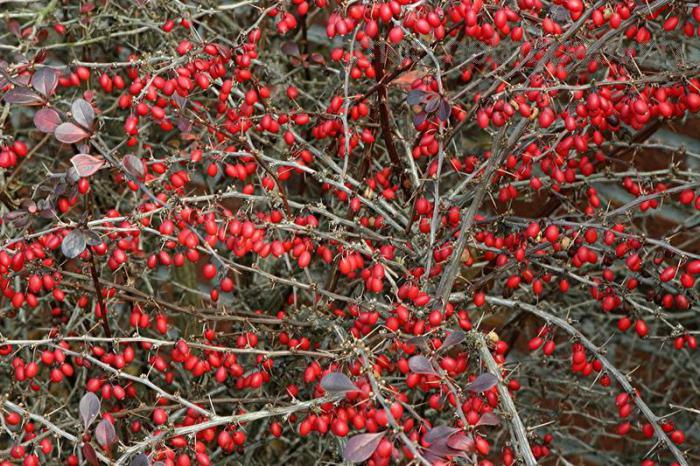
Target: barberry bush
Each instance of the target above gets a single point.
(294, 232)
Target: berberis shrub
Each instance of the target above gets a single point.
(292, 232)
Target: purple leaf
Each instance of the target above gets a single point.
(454, 338)
(421, 365)
(140, 460)
(415, 97)
(482, 383)
(18, 218)
(432, 104)
(105, 433)
(72, 246)
(419, 341)
(86, 164)
(438, 437)
(360, 447)
(433, 458)
(70, 133)
(92, 238)
(444, 110)
(134, 166)
(318, 59)
(419, 118)
(488, 419)
(337, 383)
(45, 81)
(439, 432)
(47, 120)
(22, 96)
(180, 101)
(83, 113)
(291, 49)
(89, 404)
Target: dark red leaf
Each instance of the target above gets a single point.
(45, 80)
(22, 96)
(488, 419)
(83, 113)
(134, 166)
(70, 133)
(105, 433)
(47, 120)
(90, 455)
(439, 432)
(461, 441)
(360, 447)
(86, 164)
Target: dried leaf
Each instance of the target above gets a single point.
(360, 447)
(45, 80)
(421, 365)
(72, 246)
(22, 96)
(70, 133)
(482, 383)
(407, 79)
(105, 433)
(47, 120)
(86, 165)
(83, 113)
(337, 383)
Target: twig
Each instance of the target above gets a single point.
(617, 375)
(517, 429)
